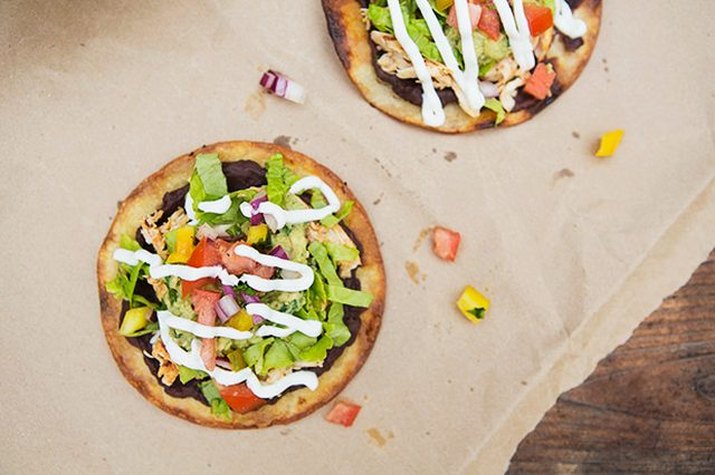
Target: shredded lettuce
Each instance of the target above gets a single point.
(355, 298)
(341, 252)
(279, 179)
(495, 105)
(418, 30)
(343, 212)
(380, 18)
(219, 407)
(125, 282)
(317, 352)
(335, 326)
(278, 356)
(188, 374)
(254, 355)
(208, 181)
(327, 269)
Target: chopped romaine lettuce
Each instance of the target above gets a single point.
(278, 356)
(318, 351)
(279, 179)
(254, 355)
(495, 105)
(208, 181)
(327, 269)
(343, 212)
(335, 326)
(219, 407)
(341, 252)
(188, 374)
(355, 298)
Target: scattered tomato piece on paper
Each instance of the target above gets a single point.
(343, 413)
(473, 304)
(445, 243)
(609, 143)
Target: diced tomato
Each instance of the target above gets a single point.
(238, 264)
(204, 303)
(343, 413)
(540, 18)
(489, 21)
(240, 399)
(445, 243)
(475, 11)
(205, 254)
(540, 81)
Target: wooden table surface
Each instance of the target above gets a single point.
(648, 407)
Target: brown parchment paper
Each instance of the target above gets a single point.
(573, 251)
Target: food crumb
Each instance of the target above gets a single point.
(285, 432)
(376, 436)
(450, 156)
(523, 383)
(575, 135)
(413, 271)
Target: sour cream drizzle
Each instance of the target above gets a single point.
(223, 376)
(516, 27)
(306, 327)
(432, 111)
(467, 79)
(565, 21)
(219, 206)
(266, 285)
(281, 217)
(189, 209)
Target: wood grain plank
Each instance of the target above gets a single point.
(648, 407)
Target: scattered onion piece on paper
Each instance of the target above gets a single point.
(282, 86)
(343, 413)
(609, 143)
(473, 304)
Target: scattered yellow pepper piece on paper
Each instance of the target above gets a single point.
(473, 304)
(610, 142)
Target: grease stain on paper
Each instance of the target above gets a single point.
(285, 141)
(421, 238)
(450, 156)
(413, 271)
(377, 438)
(255, 105)
(563, 173)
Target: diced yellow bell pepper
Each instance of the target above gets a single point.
(134, 320)
(256, 234)
(242, 321)
(609, 143)
(184, 246)
(443, 5)
(473, 304)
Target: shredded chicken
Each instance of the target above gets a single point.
(542, 44)
(160, 288)
(155, 235)
(395, 61)
(168, 371)
(508, 93)
(336, 234)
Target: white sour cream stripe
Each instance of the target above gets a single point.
(266, 285)
(467, 79)
(432, 111)
(133, 258)
(199, 330)
(307, 327)
(189, 209)
(565, 21)
(516, 27)
(219, 206)
(193, 273)
(225, 377)
(281, 217)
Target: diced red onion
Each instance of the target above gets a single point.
(257, 319)
(279, 252)
(260, 198)
(250, 298)
(282, 86)
(489, 89)
(257, 218)
(227, 306)
(228, 290)
(225, 364)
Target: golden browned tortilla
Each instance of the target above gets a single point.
(146, 198)
(352, 43)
